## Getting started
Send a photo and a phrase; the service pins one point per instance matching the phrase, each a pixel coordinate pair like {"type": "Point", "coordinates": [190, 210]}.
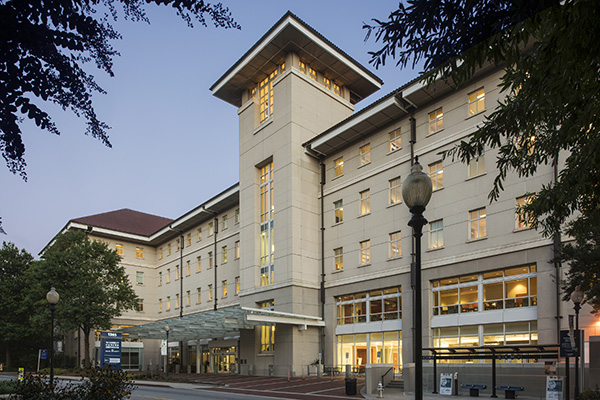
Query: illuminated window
{"type": "Point", "coordinates": [338, 167]}
{"type": "Point", "coordinates": [168, 275]}
{"type": "Point", "coordinates": [338, 259]}
{"type": "Point", "coordinates": [338, 207]}
{"type": "Point", "coordinates": [189, 239]}
{"type": "Point", "coordinates": [198, 295]}
{"type": "Point", "coordinates": [224, 253]}
{"type": "Point", "coordinates": [211, 228]}
{"type": "Point", "coordinates": [302, 67]}
{"type": "Point", "coordinates": [337, 89]}
{"type": "Point", "coordinates": [436, 234]}
{"type": "Point", "coordinates": [160, 309]}
{"type": "Point", "coordinates": [394, 138]}
{"type": "Point", "coordinates": [188, 268]}
{"type": "Point", "coordinates": [210, 260]}
{"type": "Point", "coordinates": [225, 222]}
{"type": "Point", "coordinates": [169, 249]}
{"type": "Point", "coordinates": [477, 166]}
{"type": "Point", "coordinates": [224, 288]}
{"type": "Point", "coordinates": [395, 186]}
{"type": "Point", "coordinates": [436, 173]}
{"type": "Point", "coordinates": [160, 253]}
{"type": "Point", "coordinates": [177, 272]}
{"type": "Point", "coordinates": [237, 215]}
{"type": "Point", "coordinates": [267, 332]}
{"type": "Point", "coordinates": [237, 285]}
{"type": "Point", "coordinates": [210, 293]}
{"type": "Point", "coordinates": [139, 278]}
{"type": "Point", "coordinates": [312, 73]}
{"type": "Point", "coordinates": [265, 89]}
{"type": "Point", "coordinates": [267, 242]}
{"type": "Point", "coordinates": [395, 245]}
{"type": "Point", "coordinates": [139, 252]}
{"type": "Point", "coordinates": [476, 101]}
{"type": "Point", "coordinates": [377, 305]}
{"type": "Point", "coordinates": [365, 252]}
{"type": "Point", "coordinates": [237, 249]}
{"type": "Point", "coordinates": [188, 296]}
{"type": "Point", "coordinates": [365, 202]}
{"type": "Point", "coordinates": [365, 154]}
{"type": "Point", "coordinates": [477, 223]}
{"type": "Point", "coordinates": [176, 301]}
{"type": "Point", "coordinates": [199, 234]}
{"type": "Point", "coordinates": [168, 303]}
{"type": "Point", "coordinates": [140, 305]}
{"type": "Point", "coordinates": [436, 120]}
{"type": "Point", "coordinates": [199, 263]}
{"type": "Point", "coordinates": [119, 249]}
{"type": "Point", "coordinates": [327, 83]}
{"type": "Point", "coordinates": [523, 220]}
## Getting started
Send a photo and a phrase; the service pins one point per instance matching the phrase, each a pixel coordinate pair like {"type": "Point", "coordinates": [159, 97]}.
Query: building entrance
{"type": "Point", "coordinates": [223, 359]}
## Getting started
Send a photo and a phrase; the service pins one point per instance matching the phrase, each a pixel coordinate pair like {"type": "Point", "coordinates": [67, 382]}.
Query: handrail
{"type": "Point", "coordinates": [387, 372]}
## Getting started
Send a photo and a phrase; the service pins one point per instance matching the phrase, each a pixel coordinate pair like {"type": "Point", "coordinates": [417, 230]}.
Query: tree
{"type": "Point", "coordinates": [550, 52]}
{"type": "Point", "coordinates": [43, 48]}
{"type": "Point", "coordinates": [14, 326]}
{"type": "Point", "coordinates": [93, 287]}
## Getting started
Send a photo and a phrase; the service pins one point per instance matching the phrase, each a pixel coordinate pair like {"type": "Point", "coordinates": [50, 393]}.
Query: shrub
{"type": "Point", "coordinates": [589, 394]}
{"type": "Point", "coordinates": [7, 387]}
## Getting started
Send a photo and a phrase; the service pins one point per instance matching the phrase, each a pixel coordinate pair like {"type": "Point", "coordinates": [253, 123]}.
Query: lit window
{"type": "Point", "coordinates": [395, 245]}
{"type": "Point", "coordinates": [376, 305]}
{"type": "Point", "coordinates": [237, 215]}
{"type": "Point", "coordinates": [160, 253]}
{"type": "Point", "coordinates": [523, 220]}
{"type": "Point", "coordinates": [210, 260]}
{"type": "Point", "coordinates": [176, 301]}
{"type": "Point", "coordinates": [338, 207]}
{"type": "Point", "coordinates": [139, 252]}
{"type": "Point", "coordinates": [188, 268]}
{"type": "Point", "coordinates": [337, 89]}
{"type": "Point", "coordinates": [365, 252]}
{"type": "Point", "coordinates": [477, 224]}
{"type": "Point", "coordinates": [267, 332]}
{"type": "Point", "coordinates": [302, 67]}
{"type": "Point", "coordinates": [211, 228]}
{"type": "Point", "coordinates": [365, 154]}
{"type": "Point", "coordinates": [189, 239]}
{"type": "Point", "coordinates": [326, 83]}
{"type": "Point", "coordinates": [312, 73]}
{"type": "Point", "coordinates": [199, 234]}
{"type": "Point", "coordinates": [436, 120]}
{"type": "Point", "coordinates": [177, 272]}
{"type": "Point", "coordinates": [237, 249]}
{"type": "Point", "coordinates": [160, 278]}
{"type": "Point", "coordinates": [395, 190]}
{"type": "Point", "coordinates": [338, 258]}
{"type": "Point", "coordinates": [168, 303]}
{"type": "Point", "coordinates": [187, 298]}
{"type": "Point", "coordinates": [265, 89]}
{"type": "Point", "coordinates": [168, 275]}
{"type": "Point", "coordinates": [199, 263]}
{"type": "Point", "coordinates": [476, 101]}
{"type": "Point", "coordinates": [436, 173]}
{"type": "Point", "coordinates": [198, 295]}
{"type": "Point", "coordinates": [224, 289]}
{"type": "Point", "coordinates": [394, 138]}
{"type": "Point", "coordinates": [119, 249]}
{"type": "Point", "coordinates": [178, 246]}
{"type": "Point", "coordinates": [237, 285]}
{"type": "Point", "coordinates": [252, 92]}
{"type": "Point", "coordinates": [224, 252]}
{"type": "Point", "coordinates": [477, 166]}
{"type": "Point", "coordinates": [338, 167]}
{"type": "Point", "coordinates": [169, 249]}
{"type": "Point", "coordinates": [225, 223]}
{"type": "Point", "coordinates": [267, 241]}
{"type": "Point", "coordinates": [436, 234]}
{"type": "Point", "coordinates": [139, 278]}
{"type": "Point", "coordinates": [365, 202]}
{"type": "Point", "coordinates": [210, 293]}
{"type": "Point", "coordinates": [140, 305]}
{"type": "Point", "coordinates": [160, 305]}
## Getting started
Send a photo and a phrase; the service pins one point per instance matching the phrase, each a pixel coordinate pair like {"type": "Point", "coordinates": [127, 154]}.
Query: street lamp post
{"type": "Point", "coordinates": [416, 192]}
{"type": "Point", "coordinates": [52, 298]}
{"type": "Point", "coordinates": [167, 329]}
{"type": "Point", "coordinates": [577, 298]}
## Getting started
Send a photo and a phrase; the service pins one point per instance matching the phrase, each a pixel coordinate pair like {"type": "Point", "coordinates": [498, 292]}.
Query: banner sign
{"type": "Point", "coordinates": [554, 388]}
{"type": "Point", "coordinates": [566, 349]}
{"type": "Point", "coordinates": [110, 349]}
{"type": "Point", "coordinates": [446, 384]}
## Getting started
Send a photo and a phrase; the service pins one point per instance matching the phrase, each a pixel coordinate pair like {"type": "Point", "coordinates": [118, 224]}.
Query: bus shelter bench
{"type": "Point", "coordinates": [509, 391]}
{"type": "Point", "coordinates": [474, 389]}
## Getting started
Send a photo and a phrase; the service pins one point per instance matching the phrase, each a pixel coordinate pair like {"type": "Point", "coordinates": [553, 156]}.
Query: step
{"type": "Point", "coordinates": [396, 384]}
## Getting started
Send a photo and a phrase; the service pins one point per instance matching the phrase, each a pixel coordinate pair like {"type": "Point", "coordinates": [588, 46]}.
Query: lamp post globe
{"type": "Point", "coordinates": [577, 298]}
{"type": "Point", "coordinates": [416, 193]}
{"type": "Point", "coordinates": [52, 298]}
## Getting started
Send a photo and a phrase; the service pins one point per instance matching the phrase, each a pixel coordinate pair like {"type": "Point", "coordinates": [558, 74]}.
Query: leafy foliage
{"type": "Point", "coordinates": [43, 48]}
{"type": "Point", "coordinates": [550, 53]}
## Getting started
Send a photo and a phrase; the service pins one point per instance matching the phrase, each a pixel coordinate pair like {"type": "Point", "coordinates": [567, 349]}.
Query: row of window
{"type": "Point", "coordinates": [120, 249]}
{"type": "Point", "coordinates": [307, 70]}
{"type": "Point", "coordinates": [225, 292]}
{"type": "Point", "coordinates": [376, 305]}
{"type": "Point", "coordinates": [475, 103]}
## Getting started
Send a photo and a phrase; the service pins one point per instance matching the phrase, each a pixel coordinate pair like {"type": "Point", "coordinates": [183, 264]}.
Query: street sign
{"type": "Point", "coordinates": [43, 354]}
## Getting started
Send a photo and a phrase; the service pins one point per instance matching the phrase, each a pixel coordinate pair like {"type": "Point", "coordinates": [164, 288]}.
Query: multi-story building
{"type": "Point", "coordinates": [309, 255]}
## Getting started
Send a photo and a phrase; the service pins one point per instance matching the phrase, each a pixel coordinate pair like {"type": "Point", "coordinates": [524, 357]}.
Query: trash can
{"type": "Point", "coordinates": [350, 386]}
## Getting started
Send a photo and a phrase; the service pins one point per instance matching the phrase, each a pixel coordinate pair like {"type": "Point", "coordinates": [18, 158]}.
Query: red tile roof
{"type": "Point", "coordinates": [126, 220]}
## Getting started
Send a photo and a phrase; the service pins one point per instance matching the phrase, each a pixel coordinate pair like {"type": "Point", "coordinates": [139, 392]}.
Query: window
{"type": "Point", "coordinates": [139, 278]}
{"type": "Point", "coordinates": [160, 278]}
{"type": "Point", "coordinates": [237, 215]}
{"type": "Point", "coordinates": [477, 224]}
{"type": "Point", "coordinates": [327, 83]}
{"type": "Point", "coordinates": [337, 89]}
{"type": "Point", "coordinates": [139, 252]}
{"type": "Point", "coordinates": [365, 252]}
{"type": "Point", "coordinates": [436, 234]}
{"type": "Point", "coordinates": [395, 245]}
{"type": "Point", "coordinates": [169, 249]}
{"type": "Point", "coordinates": [140, 305]}
{"type": "Point", "coordinates": [119, 249]}
{"type": "Point", "coordinates": [267, 242]}
{"type": "Point", "coordinates": [365, 202]}
{"type": "Point", "coordinates": [199, 263]}
{"type": "Point", "coordinates": [187, 298]}
{"type": "Point", "coordinates": [177, 272]}
{"type": "Point", "coordinates": [188, 268]}
{"type": "Point", "coordinates": [395, 140]}
{"type": "Point", "coordinates": [395, 191]}
{"type": "Point", "coordinates": [365, 154]}
{"type": "Point", "coordinates": [160, 253]}
{"type": "Point", "coordinates": [211, 228]}
{"type": "Point", "coordinates": [267, 332]}
{"type": "Point", "coordinates": [225, 224]}
{"type": "Point", "coordinates": [338, 167]}
{"type": "Point", "coordinates": [224, 288]}
{"type": "Point", "coordinates": [237, 249]}
{"type": "Point", "coordinates": [224, 253]}
{"type": "Point", "coordinates": [265, 89]}
{"type": "Point", "coordinates": [210, 293]}
{"type": "Point", "coordinates": [168, 275]}
{"type": "Point", "coordinates": [160, 305]}
{"type": "Point", "coordinates": [377, 305]}
{"type": "Point", "coordinates": [338, 258]}
{"type": "Point", "coordinates": [302, 67]}
{"type": "Point", "coordinates": [338, 207]}
{"type": "Point", "coordinates": [312, 73]}
{"type": "Point", "coordinates": [198, 295]}
{"type": "Point", "coordinates": [476, 101]}
{"type": "Point", "coordinates": [523, 220]}
{"type": "Point", "coordinates": [177, 301]}
{"type": "Point", "coordinates": [189, 239]}
{"type": "Point", "coordinates": [237, 285]}
{"type": "Point", "coordinates": [477, 166]}
{"type": "Point", "coordinates": [210, 260]}
{"type": "Point", "coordinates": [199, 234]}
{"type": "Point", "coordinates": [436, 173]}
{"type": "Point", "coordinates": [436, 120]}
{"type": "Point", "coordinates": [178, 246]}
{"type": "Point", "coordinates": [168, 303]}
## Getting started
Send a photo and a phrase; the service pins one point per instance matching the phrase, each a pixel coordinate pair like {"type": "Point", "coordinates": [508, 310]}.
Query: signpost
{"type": "Point", "coordinates": [110, 349]}
{"type": "Point", "coordinates": [42, 355]}
{"type": "Point", "coordinates": [446, 384]}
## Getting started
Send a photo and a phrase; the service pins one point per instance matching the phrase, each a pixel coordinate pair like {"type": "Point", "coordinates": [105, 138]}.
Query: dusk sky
{"type": "Point", "coordinates": [174, 144]}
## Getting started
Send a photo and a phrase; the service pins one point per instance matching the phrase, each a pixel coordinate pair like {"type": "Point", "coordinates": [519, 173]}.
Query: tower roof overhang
{"type": "Point", "coordinates": [292, 35]}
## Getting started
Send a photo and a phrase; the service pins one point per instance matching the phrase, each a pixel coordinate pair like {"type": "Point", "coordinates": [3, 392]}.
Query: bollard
{"type": "Point", "coordinates": [380, 390]}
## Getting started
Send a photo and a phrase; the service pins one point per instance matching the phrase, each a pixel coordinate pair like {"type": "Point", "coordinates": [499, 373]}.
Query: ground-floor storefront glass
{"type": "Point", "coordinates": [370, 348]}
{"type": "Point", "coordinates": [223, 359]}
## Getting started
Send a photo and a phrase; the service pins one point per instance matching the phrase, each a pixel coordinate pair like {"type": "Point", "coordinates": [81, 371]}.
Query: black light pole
{"type": "Point", "coordinates": [416, 192]}
{"type": "Point", "coordinates": [52, 298]}
{"type": "Point", "coordinates": [167, 329]}
{"type": "Point", "coordinates": [577, 298]}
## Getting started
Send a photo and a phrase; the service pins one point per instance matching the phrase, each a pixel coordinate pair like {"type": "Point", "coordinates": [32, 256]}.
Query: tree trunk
{"type": "Point", "coordinates": [86, 347]}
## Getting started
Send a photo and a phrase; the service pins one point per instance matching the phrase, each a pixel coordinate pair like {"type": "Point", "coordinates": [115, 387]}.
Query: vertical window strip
{"type": "Point", "coordinates": [267, 243]}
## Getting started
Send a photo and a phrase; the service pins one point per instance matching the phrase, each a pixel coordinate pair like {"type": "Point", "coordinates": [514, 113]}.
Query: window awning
{"type": "Point", "coordinates": [221, 323]}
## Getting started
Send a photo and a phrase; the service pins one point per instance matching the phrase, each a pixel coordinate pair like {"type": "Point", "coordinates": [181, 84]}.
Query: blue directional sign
{"type": "Point", "coordinates": [43, 354]}
{"type": "Point", "coordinates": [110, 349]}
